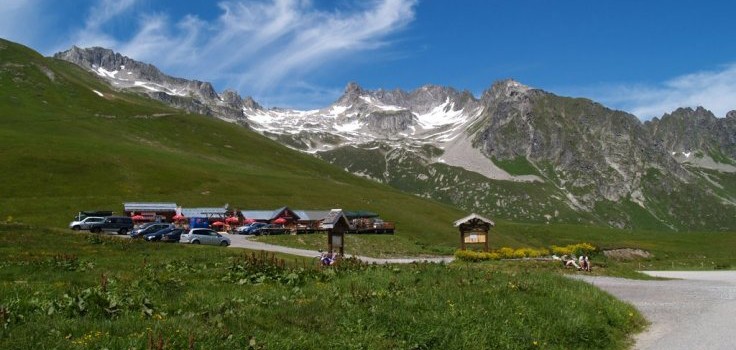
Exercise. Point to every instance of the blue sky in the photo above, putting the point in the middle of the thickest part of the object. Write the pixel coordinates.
(645, 57)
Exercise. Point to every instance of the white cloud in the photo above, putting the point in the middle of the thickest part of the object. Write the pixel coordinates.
(14, 17)
(257, 47)
(715, 90)
(93, 33)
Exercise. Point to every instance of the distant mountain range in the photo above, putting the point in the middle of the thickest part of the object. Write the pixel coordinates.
(516, 152)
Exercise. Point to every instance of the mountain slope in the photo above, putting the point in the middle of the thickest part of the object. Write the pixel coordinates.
(70, 142)
(516, 152)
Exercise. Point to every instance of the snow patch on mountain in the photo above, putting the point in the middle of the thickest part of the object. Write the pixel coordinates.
(359, 121)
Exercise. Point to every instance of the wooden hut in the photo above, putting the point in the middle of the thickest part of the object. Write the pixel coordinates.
(474, 230)
(151, 211)
(269, 216)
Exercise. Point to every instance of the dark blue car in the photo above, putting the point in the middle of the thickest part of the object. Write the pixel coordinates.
(147, 228)
(250, 229)
(169, 234)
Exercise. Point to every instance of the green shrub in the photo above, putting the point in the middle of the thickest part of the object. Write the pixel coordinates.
(574, 249)
(520, 253)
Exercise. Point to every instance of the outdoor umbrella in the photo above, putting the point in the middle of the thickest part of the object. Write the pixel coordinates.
(279, 221)
(218, 223)
(232, 219)
(138, 218)
(249, 221)
(179, 217)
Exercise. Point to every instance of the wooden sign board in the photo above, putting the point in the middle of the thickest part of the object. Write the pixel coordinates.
(337, 241)
(475, 238)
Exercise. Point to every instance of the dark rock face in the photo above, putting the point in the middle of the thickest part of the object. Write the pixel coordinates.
(689, 130)
(389, 122)
(594, 151)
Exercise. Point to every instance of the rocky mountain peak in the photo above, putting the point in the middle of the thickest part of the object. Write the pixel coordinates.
(353, 91)
(126, 73)
(353, 88)
(250, 103)
(231, 97)
(687, 113)
(507, 89)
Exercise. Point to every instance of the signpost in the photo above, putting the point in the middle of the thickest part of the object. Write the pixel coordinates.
(336, 224)
(474, 230)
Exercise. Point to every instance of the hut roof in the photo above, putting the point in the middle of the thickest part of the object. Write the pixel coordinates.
(204, 212)
(266, 214)
(471, 217)
(257, 214)
(142, 206)
(311, 215)
(333, 217)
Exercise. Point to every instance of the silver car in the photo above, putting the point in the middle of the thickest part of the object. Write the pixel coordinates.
(204, 236)
(85, 223)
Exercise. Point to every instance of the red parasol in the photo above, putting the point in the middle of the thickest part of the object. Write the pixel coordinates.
(249, 221)
(279, 221)
(138, 218)
(179, 217)
(232, 219)
(218, 223)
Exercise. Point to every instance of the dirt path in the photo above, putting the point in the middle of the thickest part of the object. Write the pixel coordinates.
(697, 311)
(238, 241)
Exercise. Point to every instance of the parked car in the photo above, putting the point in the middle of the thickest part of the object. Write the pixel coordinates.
(98, 213)
(85, 223)
(250, 228)
(149, 227)
(271, 229)
(173, 236)
(204, 236)
(159, 235)
(119, 224)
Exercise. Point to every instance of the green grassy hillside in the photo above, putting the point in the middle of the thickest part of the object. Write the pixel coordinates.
(64, 148)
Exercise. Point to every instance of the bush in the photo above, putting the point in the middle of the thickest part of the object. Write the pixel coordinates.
(520, 253)
(574, 249)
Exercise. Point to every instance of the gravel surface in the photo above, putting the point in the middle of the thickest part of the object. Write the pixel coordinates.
(242, 241)
(697, 311)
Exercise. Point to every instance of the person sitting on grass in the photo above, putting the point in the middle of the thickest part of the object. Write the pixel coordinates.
(567, 262)
(586, 264)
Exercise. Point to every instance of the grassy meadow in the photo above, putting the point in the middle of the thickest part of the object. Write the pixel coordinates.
(81, 291)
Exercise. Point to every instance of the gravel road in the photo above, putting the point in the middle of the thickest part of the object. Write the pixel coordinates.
(241, 241)
(697, 311)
